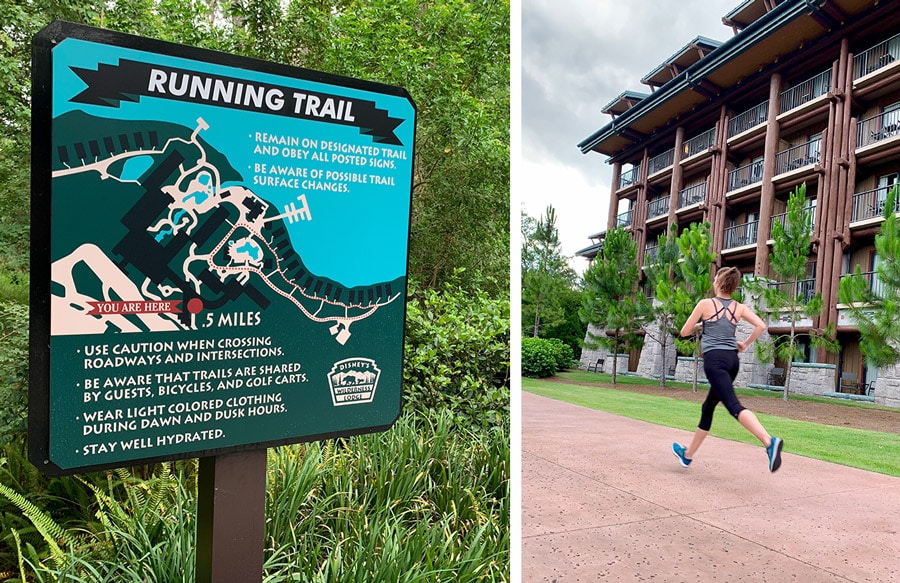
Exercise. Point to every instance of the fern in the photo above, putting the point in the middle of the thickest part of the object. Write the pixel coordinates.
(49, 529)
(21, 563)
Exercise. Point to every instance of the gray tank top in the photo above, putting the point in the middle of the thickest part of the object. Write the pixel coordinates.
(718, 330)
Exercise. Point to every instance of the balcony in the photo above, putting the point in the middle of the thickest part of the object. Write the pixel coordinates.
(870, 204)
(798, 156)
(806, 91)
(806, 288)
(878, 128)
(809, 210)
(700, 144)
(650, 252)
(692, 195)
(658, 207)
(877, 57)
(745, 175)
(625, 219)
(875, 285)
(741, 235)
(749, 119)
(661, 162)
(630, 177)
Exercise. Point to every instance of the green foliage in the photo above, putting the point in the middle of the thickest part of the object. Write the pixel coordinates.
(547, 278)
(570, 330)
(453, 58)
(660, 273)
(693, 277)
(539, 358)
(613, 301)
(13, 370)
(878, 314)
(457, 354)
(562, 353)
(789, 258)
(426, 501)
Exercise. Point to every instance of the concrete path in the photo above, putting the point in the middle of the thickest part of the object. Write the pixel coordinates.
(604, 499)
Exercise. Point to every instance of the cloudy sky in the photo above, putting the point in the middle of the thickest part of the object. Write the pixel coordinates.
(576, 57)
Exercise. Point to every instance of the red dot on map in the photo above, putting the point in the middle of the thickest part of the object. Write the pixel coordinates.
(195, 305)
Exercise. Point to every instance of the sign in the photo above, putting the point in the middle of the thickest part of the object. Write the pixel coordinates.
(219, 252)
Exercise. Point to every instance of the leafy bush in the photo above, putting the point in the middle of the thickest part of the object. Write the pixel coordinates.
(13, 370)
(563, 353)
(457, 355)
(539, 358)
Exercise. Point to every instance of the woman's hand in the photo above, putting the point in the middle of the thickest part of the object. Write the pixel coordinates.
(742, 345)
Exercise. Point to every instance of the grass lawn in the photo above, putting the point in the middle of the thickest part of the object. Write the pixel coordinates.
(867, 450)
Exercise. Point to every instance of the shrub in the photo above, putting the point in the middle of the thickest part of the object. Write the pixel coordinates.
(562, 353)
(539, 358)
(457, 355)
(13, 370)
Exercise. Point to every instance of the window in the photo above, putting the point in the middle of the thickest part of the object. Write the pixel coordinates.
(885, 183)
(814, 148)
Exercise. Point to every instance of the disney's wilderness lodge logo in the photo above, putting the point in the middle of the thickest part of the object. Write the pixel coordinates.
(353, 381)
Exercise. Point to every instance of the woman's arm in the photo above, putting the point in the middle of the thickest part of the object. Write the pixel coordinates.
(690, 327)
(758, 328)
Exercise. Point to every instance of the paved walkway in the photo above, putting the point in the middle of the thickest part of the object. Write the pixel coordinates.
(604, 499)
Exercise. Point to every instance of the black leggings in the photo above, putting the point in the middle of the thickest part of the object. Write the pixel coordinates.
(721, 367)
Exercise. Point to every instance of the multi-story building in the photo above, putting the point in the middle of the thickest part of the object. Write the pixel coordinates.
(804, 91)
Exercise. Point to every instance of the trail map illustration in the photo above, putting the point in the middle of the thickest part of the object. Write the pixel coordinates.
(228, 243)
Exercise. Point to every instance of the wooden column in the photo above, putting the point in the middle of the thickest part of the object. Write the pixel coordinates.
(677, 176)
(767, 194)
(614, 197)
(718, 186)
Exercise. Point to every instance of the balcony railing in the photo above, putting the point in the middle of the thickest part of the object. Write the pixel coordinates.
(809, 210)
(806, 91)
(650, 254)
(875, 285)
(692, 195)
(699, 143)
(661, 162)
(740, 235)
(749, 119)
(880, 127)
(624, 219)
(798, 156)
(881, 55)
(630, 177)
(658, 207)
(806, 288)
(870, 204)
(745, 175)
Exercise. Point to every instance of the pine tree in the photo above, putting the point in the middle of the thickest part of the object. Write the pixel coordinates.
(786, 300)
(659, 271)
(547, 278)
(613, 302)
(877, 311)
(692, 283)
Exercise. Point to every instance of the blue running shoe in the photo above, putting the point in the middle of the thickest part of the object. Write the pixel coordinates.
(679, 450)
(774, 453)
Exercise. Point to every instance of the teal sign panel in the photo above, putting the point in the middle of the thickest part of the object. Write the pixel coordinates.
(219, 252)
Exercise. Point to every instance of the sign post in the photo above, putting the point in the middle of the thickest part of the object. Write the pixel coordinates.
(219, 256)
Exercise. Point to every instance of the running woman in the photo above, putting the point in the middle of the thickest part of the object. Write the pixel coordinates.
(718, 317)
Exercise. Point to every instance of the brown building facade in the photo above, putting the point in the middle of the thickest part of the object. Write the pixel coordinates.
(804, 92)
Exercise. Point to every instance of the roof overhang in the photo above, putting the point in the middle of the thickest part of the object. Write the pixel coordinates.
(780, 32)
